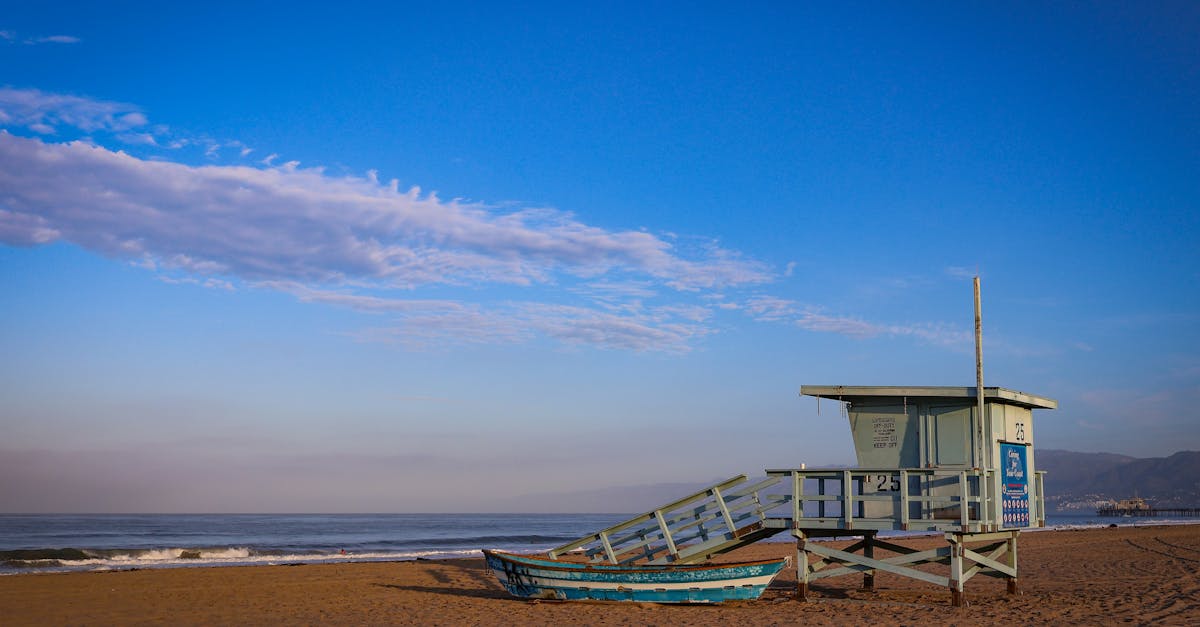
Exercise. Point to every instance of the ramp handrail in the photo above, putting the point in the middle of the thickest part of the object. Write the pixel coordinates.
(705, 523)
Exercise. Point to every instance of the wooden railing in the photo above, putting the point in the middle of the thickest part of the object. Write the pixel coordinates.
(712, 521)
(915, 499)
(736, 512)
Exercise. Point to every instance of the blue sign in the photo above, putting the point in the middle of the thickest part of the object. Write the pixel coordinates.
(1016, 485)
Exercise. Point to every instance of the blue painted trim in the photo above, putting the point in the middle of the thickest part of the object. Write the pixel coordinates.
(694, 595)
(709, 583)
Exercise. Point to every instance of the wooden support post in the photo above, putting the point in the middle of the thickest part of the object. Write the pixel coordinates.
(956, 571)
(869, 551)
(1012, 562)
(801, 566)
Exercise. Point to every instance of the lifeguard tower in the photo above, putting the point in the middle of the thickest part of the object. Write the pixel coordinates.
(930, 459)
(958, 461)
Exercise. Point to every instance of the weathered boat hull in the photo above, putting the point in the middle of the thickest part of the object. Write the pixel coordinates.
(536, 578)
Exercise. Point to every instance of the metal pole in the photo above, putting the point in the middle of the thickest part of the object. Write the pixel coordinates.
(978, 373)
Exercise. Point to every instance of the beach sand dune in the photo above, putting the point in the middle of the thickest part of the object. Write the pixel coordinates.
(1132, 575)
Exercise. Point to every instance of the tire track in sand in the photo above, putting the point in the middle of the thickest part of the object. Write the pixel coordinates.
(1178, 546)
(1163, 553)
(1184, 601)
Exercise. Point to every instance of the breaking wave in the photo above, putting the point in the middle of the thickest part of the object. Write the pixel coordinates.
(58, 560)
(70, 542)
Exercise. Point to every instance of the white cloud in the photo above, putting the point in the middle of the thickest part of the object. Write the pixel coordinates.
(941, 334)
(144, 139)
(582, 326)
(361, 302)
(12, 37)
(45, 112)
(617, 290)
(74, 117)
(814, 321)
(56, 39)
(811, 318)
(960, 272)
(769, 308)
(288, 223)
(210, 283)
(432, 330)
(353, 242)
(293, 229)
(437, 324)
(20, 229)
(693, 313)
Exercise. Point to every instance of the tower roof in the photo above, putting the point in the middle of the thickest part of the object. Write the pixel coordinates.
(854, 393)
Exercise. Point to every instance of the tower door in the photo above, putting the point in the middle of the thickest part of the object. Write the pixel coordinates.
(950, 444)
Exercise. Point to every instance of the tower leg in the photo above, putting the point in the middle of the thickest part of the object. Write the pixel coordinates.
(869, 552)
(801, 567)
(956, 572)
(1012, 562)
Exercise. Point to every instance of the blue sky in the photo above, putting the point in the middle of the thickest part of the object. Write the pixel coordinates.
(392, 258)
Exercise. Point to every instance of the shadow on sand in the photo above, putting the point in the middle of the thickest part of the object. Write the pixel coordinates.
(462, 578)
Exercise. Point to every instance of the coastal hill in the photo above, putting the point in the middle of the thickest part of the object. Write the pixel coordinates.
(1082, 481)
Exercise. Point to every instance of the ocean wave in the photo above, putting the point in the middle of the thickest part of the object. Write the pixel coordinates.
(492, 540)
(1117, 522)
(43, 554)
(35, 560)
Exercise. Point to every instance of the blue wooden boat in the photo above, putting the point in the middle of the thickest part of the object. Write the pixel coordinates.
(539, 578)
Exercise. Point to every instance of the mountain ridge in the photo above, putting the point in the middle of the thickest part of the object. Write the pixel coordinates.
(1083, 481)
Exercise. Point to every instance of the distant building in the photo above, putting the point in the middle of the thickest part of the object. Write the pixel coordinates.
(1134, 504)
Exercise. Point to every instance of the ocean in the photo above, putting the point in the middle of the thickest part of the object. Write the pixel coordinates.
(64, 542)
(75, 542)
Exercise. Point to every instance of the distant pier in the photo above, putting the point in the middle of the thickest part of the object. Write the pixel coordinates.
(1149, 512)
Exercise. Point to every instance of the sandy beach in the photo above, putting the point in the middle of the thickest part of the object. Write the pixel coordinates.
(1133, 575)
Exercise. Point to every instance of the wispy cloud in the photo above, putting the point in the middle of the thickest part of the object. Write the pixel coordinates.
(815, 318)
(360, 302)
(145, 139)
(64, 117)
(841, 325)
(288, 223)
(57, 39)
(438, 324)
(961, 272)
(617, 290)
(348, 241)
(439, 330)
(13, 38)
(44, 112)
(769, 308)
(363, 244)
(582, 326)
(210, 283)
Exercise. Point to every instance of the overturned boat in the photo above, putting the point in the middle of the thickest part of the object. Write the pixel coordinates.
(539, 578)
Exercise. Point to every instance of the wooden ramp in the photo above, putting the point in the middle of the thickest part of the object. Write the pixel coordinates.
(715, 520)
